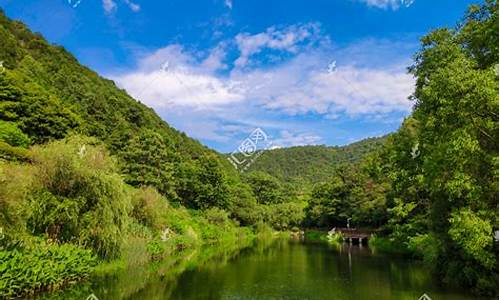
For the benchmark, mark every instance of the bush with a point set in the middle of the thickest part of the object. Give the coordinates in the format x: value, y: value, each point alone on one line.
x: 80, y: 196
x: 12, y: 135
x: 217, y: 216
x: 16, y: 183
x: 149, y: 206
x: 11, y: 153
x: 425, y: 246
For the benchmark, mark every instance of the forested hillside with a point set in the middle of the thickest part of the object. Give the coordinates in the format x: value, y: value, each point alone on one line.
x: 305, y: 165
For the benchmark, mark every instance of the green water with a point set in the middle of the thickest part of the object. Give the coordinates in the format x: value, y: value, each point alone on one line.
x: 281, y: 270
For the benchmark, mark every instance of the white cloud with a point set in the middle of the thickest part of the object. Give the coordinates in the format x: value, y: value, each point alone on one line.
x: 215, y: 60
x: 184, y: 83
x: 287, y: 40
x: 109, y: 6
x: 384, y: 4
x: 350, y: 90
x: 288, y: 139
x: 228, y: 3
x: 300, y: 86
x: 203, y: 96
x: 133, y: 6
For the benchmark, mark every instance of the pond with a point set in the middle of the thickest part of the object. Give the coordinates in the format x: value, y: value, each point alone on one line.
x: 279, y: 270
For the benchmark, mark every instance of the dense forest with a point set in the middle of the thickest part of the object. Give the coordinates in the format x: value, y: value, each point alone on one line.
x: 88, y: 175
x: 307, y: 165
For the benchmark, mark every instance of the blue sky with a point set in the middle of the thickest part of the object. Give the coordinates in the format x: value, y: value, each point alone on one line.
x: 217, y: 69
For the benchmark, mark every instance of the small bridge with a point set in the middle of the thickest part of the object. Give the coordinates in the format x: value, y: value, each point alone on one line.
x: 354, y: 235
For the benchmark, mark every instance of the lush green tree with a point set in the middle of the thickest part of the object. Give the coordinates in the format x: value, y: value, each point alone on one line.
x: 203, y: 184
x: 266, y: 188
x: 451, y: 187
x: 148, y: 160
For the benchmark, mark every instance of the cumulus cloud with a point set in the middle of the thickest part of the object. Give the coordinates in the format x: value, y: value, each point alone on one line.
x: 287, y: 40
x: 211, y: 97
x: 350, y: 90
x: 171, y: 76
x: 299, y: 86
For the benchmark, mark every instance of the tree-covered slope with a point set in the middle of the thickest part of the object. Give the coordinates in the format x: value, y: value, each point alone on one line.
x: 48, y: 95
x: 312, y: 164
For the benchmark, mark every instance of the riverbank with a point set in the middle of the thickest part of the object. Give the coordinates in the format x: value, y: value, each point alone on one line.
x: 127, y: 277
x: 44, y: 267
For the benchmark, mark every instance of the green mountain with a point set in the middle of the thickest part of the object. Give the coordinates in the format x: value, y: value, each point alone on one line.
x: 312, y: 164
x: 48, y: 95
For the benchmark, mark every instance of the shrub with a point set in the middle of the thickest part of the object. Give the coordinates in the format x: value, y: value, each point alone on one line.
x: 11, y: 153
x: 149, y: 206
x: 217, y: 216
x: 425, y: 246
x: 16, y: 183
x: 81, y: 197
x: 12, y: 135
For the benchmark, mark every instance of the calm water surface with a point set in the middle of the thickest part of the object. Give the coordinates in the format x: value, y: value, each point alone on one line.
x: 281, y: 270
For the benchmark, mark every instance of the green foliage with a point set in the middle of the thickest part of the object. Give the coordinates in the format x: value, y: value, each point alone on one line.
x: 204, y: 184
x: 79, y: 196
x: 10, y: 153
x: 306, y: 165
x: 388, y: 245
x: 473, y: 236
x: 15, y: 186
x: 443, y: 162
x: 148, y: 160
x: 12, y: 135
x: 267, y: 189
x: 244, y: 207
x: 426, y: 246
x: 356, y: 193
x: 44, y: 267
x: 283, y: 216
x: 457, y: 113
x: 148, y: 207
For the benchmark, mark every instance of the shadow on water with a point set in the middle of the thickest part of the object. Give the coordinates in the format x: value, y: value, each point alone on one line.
x: 280, y: 269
